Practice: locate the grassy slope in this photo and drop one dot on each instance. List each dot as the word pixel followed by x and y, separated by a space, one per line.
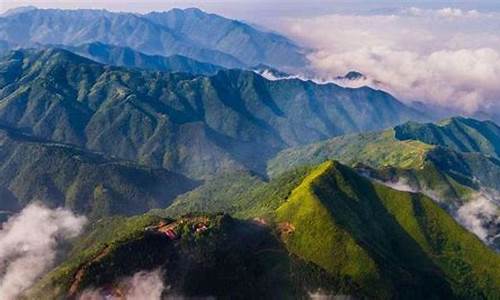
pixel 376 149
pixel 447 173
pixel 459 134
pixel 379 237
pixel 240 194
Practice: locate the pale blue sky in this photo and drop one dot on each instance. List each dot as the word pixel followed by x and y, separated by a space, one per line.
pixel 255 10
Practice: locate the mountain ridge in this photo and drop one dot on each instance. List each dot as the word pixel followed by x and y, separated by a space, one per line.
pixel 150 34
pixel 196 124
pixel 127 57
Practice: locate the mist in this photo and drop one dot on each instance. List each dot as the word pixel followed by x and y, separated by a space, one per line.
pixel 479 213
pixel 142 285
pixel 481 216
pixel 28 245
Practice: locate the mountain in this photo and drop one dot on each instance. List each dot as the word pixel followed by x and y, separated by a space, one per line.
pixel 460 134
pixel 334 233
pixel 243 195
pixel 18 10
pixel 127 57
pixel 89 183
pixel 461 181
pixel 238 39
pixel 352 75
pixel 271 73
pixel 384 239
pixel 196 125
pixel 408 146
pixel 192 33
pixel 229 258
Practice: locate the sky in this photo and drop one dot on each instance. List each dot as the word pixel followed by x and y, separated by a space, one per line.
pixel 255 9
pixel 442 53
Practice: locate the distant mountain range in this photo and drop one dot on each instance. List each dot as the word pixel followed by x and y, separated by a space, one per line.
pixel 127 57
pixel 196 125
pixel 191 32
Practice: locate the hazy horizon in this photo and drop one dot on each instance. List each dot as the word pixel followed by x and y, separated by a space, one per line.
pixel 247 9
pixel 442 53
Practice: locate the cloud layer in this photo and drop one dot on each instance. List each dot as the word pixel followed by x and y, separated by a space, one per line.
pixel 28 243
pixel 447 57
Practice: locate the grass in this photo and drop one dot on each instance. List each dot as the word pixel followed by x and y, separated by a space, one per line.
pixel 385 239
pixel 374 149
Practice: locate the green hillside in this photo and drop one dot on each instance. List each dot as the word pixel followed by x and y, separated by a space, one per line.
pixel 86 182
pixel 229 259
pixel 240 194
pixel 440 168
pixel 460 134
pixel 377 149
pixel 333 231
pixel 389 242
pixel 453 176
pixel 199 126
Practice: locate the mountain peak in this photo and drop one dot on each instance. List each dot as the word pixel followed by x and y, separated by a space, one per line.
pixel 352 75
pixel 18 10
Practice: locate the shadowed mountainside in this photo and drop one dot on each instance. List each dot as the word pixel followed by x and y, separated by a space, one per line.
pixel 89 183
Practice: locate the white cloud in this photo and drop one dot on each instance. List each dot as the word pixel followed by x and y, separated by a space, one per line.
pixel 447 12
pixel 400 185
pixel 28 243
pixel 449 57
pixel 142 285
pixel 481 215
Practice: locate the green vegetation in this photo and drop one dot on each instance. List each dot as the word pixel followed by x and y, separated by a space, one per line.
pixel 240 194
pixel 85 182
pixel 377 149
pixel 199 126
pixel 333 230
pixel 385 239
pixel 127 57
pixel 105 236
pixel 459 134
pixel 102 140
pixel 447 173
pixel 229 258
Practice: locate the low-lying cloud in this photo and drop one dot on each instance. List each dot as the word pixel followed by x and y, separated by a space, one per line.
pixel 481 215
pixel 400 185
pixel 142 285
pixel 28 244
pixel 446 57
